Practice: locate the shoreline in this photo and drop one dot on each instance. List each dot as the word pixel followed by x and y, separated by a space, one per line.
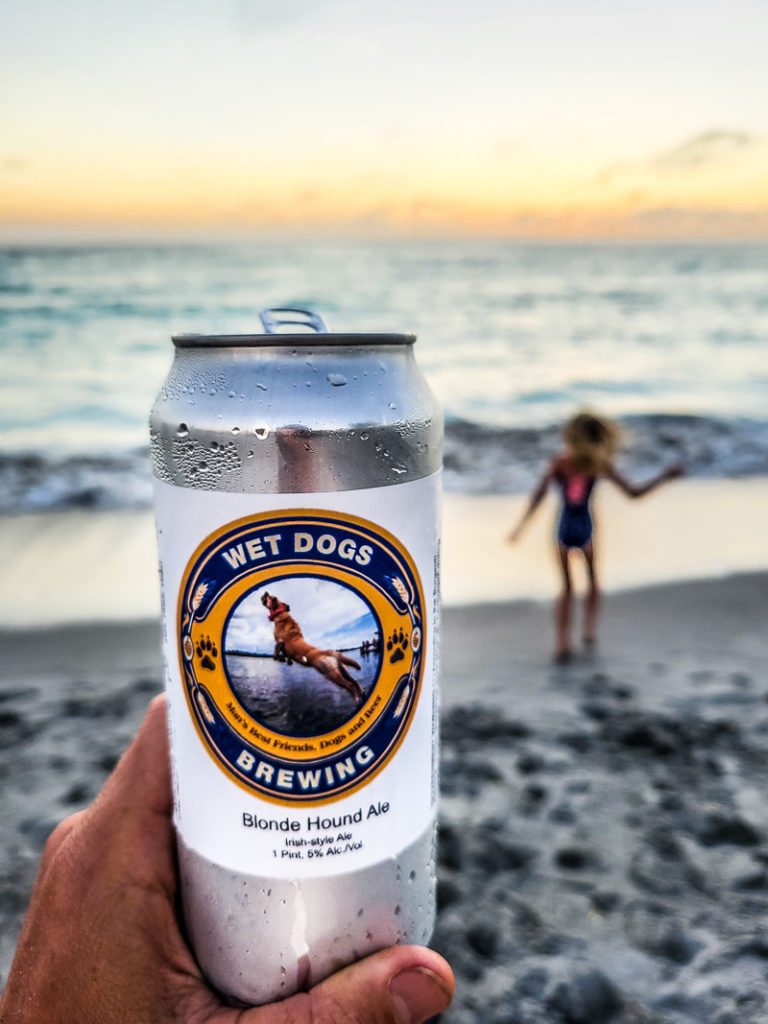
pixel 73 566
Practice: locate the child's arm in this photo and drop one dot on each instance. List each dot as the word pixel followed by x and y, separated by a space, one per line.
pixel 638 490
pixel 534 501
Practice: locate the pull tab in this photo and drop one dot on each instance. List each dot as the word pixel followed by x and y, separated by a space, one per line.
pixel 291 316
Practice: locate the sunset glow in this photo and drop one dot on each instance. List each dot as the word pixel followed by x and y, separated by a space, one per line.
pixel 253 116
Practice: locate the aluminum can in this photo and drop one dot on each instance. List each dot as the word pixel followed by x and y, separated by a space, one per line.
pixel 297 477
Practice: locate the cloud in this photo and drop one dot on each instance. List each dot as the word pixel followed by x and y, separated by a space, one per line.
pixel 716 147
pixel 329 615
pixel 14 163
pixel 705 148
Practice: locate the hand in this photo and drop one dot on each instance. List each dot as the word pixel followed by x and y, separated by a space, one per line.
pixel 514 535
pixel 101 943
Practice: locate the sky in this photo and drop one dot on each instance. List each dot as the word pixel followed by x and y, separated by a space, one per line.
pixel 384 118
pixel 329 616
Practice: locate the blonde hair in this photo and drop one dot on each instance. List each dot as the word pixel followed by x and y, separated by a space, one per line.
pixel 592 441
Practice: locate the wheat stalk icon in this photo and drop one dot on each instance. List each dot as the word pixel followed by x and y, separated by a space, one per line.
pixel 199 595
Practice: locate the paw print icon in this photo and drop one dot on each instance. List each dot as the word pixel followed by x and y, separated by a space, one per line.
pixel 207 652
pixel 397 645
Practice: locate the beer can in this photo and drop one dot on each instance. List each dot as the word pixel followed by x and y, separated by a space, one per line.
pixel 297 482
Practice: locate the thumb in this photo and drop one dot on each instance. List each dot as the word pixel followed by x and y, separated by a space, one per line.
pixel 401 985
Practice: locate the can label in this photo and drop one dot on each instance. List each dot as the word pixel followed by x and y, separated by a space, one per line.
pixel 300 653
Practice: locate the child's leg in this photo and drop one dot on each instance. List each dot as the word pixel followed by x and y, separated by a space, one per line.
pixel 563 609
pixel 592 602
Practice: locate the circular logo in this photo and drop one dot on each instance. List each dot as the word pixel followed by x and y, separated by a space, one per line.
pixel 301 639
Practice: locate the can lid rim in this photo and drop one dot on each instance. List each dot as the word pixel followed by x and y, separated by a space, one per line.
pixel 288 340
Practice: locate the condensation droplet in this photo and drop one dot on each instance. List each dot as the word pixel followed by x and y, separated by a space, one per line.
pixel 235 430
pixel 260 386
pixel 261 432
pixel 337 379
pixel 364 436
pixel 182 430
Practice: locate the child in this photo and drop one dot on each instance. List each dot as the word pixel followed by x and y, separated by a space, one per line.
pixel 591 443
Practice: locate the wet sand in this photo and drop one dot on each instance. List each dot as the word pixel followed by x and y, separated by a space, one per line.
pixel 603 826
pixel 90 566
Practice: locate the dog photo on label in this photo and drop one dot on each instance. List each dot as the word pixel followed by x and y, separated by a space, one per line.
pixel 302 654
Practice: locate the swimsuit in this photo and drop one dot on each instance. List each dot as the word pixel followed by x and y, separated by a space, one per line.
pixel 575 527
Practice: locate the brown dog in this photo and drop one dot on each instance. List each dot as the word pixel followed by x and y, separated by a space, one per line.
pixel 290 642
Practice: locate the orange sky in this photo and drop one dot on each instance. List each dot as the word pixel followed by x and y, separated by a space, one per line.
pixel 250 116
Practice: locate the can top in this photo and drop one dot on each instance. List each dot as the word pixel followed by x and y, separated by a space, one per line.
pixel 287 340
pixel 315 333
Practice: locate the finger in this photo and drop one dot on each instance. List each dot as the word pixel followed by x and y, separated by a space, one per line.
pixel 401 985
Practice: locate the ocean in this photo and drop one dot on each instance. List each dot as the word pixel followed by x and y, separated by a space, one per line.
pixel 668 338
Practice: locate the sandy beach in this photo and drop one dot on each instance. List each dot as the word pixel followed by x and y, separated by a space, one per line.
pixel 603 837
pixel 78 566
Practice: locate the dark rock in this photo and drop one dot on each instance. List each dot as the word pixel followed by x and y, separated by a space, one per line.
pixel 753 880
pixel 108 705
pixel 108 761
pixel 647 734
pixel 448 892
pixel 17 693
pixel 581 742
pixel 535 793
pixel 588 998
pixel 147 686
pixel 576 858
pixel 675 945
pixel 529 763
pixel 485 939
pixel 481 723
pixel 497 853
pixel 533 984
pixel 665 843
pixel 78 794
pixel 605 902
pixel 450 848
pixel 596 711
pixel 650 927
pixel 720 828
pixel 14 728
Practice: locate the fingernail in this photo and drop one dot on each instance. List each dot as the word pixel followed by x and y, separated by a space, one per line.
pixel 417 994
